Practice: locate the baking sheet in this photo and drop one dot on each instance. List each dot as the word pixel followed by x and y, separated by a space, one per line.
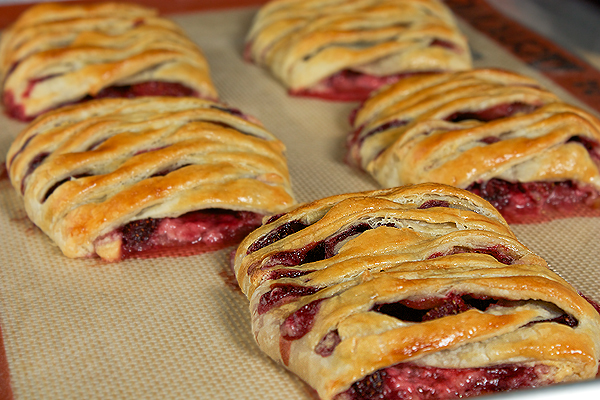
pixel 175 328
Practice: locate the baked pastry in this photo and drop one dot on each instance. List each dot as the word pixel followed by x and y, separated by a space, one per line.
pixel 58 53
pixel 342 50
pixel 128 177
pixel 417 292
pixel 494 132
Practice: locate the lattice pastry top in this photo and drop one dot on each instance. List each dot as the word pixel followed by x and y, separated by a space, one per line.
pixel 418 290
pixel 471 128
pixel 58 53
pixel 88 172
pixel 343 49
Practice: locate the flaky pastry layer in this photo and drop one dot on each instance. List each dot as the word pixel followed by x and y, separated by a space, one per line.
pixel 58 53
pixel 88 169
pixel 322 279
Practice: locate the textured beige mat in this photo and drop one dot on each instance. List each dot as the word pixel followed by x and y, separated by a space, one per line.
pixel 177 328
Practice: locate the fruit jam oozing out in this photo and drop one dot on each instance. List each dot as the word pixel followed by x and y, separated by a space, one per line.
pixel 198 231
pixel 431 308
pixel 492 113
pixel 500 253
pixel 410 381
pixel 521 202
pixel 151 88
pixel 349 85
pixel 276 234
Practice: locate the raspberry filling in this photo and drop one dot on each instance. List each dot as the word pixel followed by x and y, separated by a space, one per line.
pixel 521 202
pixel 410 381
pixel 204 230
pixel 35 162
pixel 493 113
pixel 434 203
pixel 276 234
pixel 281 294
pixel 300 322
pixel 349 85
pixel 328 343
pixel 151 88
pixel 430 308
pixel 315 251
pixel 500 253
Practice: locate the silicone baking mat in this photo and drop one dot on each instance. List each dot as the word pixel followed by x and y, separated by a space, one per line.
pixel 175 328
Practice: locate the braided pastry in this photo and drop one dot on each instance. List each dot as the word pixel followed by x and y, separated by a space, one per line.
pixel 494 132
pixel 116 177
pixel 416 292
pixel 342 50
pixel 57 53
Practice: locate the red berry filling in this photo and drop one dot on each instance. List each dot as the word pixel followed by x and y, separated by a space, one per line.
pixel 33 164
pixel 500 253
pixel 205 230
pixel 410 381
pixel 357 139
pixel 525 201
pixel 151 88
pixel 300 322
pixel 349 85
pixel 286 273
pixel 328 343
pixel 430 308
pixel 315 251
pixel 492 113
pixel 434 203
pixel 282 294
pixel 276 234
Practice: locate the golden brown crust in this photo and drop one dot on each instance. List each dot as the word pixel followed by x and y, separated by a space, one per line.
pixel 305 41
pixel 58 53
pixel 422 145
pixel 114 154
pixel 457 244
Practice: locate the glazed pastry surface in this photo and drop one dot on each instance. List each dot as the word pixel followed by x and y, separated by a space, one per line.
pixel 348 289
pixel 306 43
pixel 471 127
pixel 58 53
pixel 87 170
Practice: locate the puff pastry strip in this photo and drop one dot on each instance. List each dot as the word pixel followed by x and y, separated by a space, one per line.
pixel 491 131
pixel 413 292
pixel 90 174
pixel 342 50
pixel 58 53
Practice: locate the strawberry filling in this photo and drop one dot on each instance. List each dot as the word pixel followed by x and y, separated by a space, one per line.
pixel 152 88
pixel 349 85
pixel 193 233
pixel 410 381
pixel 525 202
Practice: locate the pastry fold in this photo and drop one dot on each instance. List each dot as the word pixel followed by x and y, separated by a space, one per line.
pixel 58 53
pixel 342 49
pixel 469 128
pixel 86 171
pixel 411 292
